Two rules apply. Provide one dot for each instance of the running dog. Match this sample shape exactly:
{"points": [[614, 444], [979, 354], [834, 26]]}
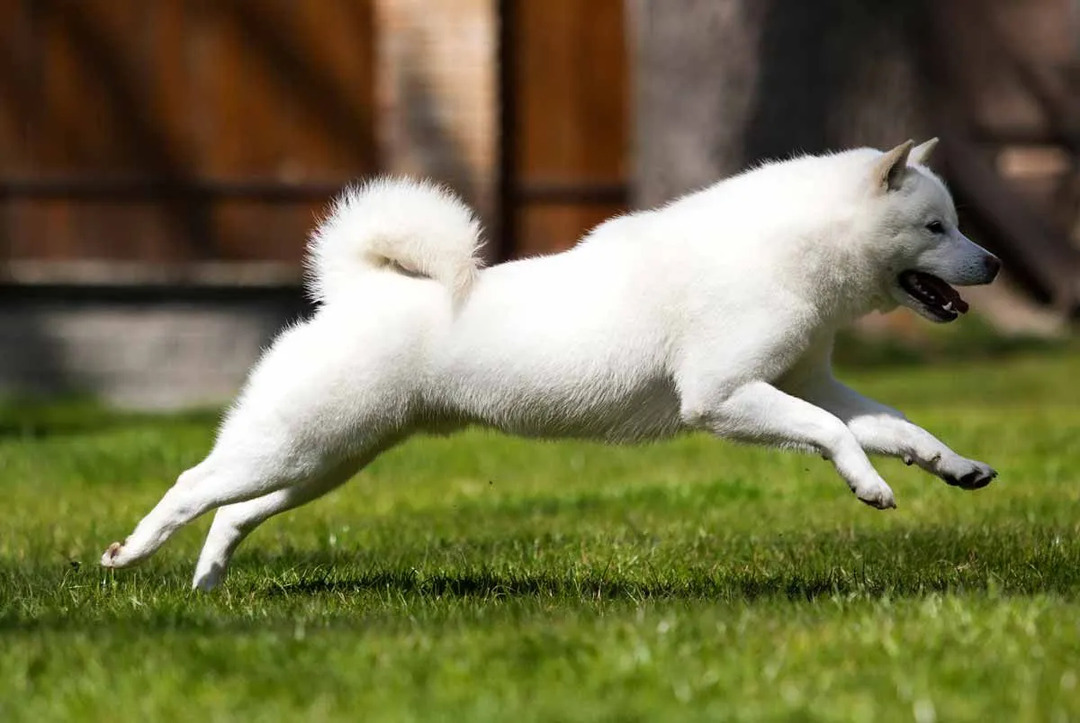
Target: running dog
{"points": [[715, 312]]}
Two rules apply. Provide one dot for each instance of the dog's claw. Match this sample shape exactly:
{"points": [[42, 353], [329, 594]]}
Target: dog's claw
{"points": [[881, 497], [974, 479], [109, 558], [889, 504]]}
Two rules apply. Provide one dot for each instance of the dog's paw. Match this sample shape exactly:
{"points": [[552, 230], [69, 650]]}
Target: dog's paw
{"points": [[114, 556], [879, 496], [968, 474], [209, 579]]}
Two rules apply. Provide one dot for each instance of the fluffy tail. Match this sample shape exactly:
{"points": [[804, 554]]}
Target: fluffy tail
{"points": [[412, 227]]}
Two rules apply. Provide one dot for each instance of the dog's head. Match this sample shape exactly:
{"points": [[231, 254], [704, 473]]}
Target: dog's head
{"points": [[920, 250]]}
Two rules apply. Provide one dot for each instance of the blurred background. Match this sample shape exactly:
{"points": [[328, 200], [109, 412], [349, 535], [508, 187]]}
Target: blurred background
{"points": [[162, 161]]}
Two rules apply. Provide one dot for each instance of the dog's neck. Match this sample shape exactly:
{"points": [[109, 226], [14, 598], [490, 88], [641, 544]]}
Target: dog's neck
{"points": [[836, 281]]}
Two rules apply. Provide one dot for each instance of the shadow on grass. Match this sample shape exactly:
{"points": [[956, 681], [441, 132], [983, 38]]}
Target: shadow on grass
{"points": [[887, 564], [487, 585], [270, 590], [732, 586]]}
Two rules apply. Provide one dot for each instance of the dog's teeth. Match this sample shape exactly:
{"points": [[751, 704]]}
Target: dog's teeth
{"points": [[948, 307]]}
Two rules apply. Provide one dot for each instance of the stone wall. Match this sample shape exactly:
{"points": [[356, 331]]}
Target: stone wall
{"points": [[145, 354]]}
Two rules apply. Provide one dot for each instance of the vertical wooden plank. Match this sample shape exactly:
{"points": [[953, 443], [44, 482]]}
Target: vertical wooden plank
{"points": [[242, 135], [19, 103], [116, 42], [287, 89], [97, 119], [172, 32], [18, 98], [95, 77], [572, 77], [333, 49], [292, 90]]}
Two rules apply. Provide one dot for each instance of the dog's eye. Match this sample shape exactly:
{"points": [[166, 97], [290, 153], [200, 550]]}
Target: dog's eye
{"points": [[935, 227]]}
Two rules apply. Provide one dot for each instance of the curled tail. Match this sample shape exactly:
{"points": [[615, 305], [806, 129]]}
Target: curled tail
{"points": [[411, 227]]}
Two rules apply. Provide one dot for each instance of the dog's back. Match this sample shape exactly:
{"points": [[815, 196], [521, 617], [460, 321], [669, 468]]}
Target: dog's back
{"points": [[575, 344]]}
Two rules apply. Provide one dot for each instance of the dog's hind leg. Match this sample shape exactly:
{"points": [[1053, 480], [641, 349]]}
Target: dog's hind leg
{"points": [[234, 473], [235, 522], [210, 484], [270, 481]]}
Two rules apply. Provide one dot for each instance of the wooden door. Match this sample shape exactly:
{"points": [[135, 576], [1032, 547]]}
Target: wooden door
{"points": [[568, 124], [166, 134]]}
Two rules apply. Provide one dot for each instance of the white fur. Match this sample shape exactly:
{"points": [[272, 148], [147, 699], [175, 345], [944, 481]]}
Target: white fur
{"points": [[715, 312], [415, 225]]}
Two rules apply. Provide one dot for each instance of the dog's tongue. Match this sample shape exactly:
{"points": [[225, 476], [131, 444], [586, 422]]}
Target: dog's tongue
{"points": [[942, 289]]}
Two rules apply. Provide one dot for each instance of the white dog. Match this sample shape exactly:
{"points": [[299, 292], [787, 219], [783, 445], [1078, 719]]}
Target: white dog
{"points": [[716, 312]]}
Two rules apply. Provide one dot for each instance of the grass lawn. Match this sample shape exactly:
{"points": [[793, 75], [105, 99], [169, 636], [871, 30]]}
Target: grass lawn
{"points": [[485, 578]]}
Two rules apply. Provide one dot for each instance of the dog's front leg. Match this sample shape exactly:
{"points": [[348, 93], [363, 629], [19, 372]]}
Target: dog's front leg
{"points": [[759, 412], [883, 430]]}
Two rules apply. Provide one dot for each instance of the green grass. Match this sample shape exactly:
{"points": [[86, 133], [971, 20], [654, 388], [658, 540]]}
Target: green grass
{"points": [[485, 578]]}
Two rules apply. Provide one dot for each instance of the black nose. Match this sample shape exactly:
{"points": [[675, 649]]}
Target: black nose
{"points": [[993, 266]]}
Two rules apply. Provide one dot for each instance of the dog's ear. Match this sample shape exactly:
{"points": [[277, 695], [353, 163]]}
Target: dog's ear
{"points": [[920, 154], [889, 171]]}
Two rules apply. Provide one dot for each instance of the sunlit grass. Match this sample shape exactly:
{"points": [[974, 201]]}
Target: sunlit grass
{"points": [[486, 578]]}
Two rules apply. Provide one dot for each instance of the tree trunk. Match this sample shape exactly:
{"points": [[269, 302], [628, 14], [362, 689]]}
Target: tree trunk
{"points": [[721, 84]]}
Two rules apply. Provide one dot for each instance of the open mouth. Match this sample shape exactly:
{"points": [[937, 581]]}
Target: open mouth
{"points": [[938, 298]]}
